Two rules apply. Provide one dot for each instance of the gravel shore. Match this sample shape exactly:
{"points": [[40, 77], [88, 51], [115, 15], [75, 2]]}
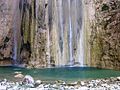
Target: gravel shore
{"points": [[28, 83]]}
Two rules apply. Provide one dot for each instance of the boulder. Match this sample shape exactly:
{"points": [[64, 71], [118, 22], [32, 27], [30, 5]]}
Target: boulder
{"points": [[37, 83], [82, 83], [28, 80], [19, 75]]}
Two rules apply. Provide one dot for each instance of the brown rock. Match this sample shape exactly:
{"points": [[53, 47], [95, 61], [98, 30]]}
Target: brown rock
{"points": [[19, 75]]}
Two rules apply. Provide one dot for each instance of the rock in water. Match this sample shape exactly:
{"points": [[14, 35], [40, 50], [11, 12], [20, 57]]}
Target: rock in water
{"points": [[19, 76], [28, 80]]}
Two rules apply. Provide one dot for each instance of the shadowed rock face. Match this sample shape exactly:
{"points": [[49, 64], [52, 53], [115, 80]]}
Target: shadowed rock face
{"points": [[43, 33], [5, 29], [10, 30]]}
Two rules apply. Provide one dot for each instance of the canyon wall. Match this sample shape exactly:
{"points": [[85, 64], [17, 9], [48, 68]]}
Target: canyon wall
{"points": [[6, 38], [46, 33], [105, 35]]}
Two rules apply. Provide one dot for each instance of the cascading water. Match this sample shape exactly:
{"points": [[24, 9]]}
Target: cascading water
{"points": [[15, 48], [81, 49], [15, 42], [81, 40], [70, 17], [60, 16], [70, 32], [16, 32], [70, 35], [65, 38]]}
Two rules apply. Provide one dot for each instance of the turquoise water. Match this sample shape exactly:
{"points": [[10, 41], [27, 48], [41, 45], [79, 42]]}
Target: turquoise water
{"points": [[64, 73]]}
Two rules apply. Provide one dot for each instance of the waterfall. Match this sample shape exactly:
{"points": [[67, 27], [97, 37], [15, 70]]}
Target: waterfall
{"points": [[70, 35], [65, 35], [16, 31], [70, 32], [14, 35], [81, 48], [15, 46], [60, 24], [81, 37]]}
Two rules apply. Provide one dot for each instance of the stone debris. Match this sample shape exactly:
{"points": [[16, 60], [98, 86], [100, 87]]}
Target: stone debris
{"points": [[98, 84]]}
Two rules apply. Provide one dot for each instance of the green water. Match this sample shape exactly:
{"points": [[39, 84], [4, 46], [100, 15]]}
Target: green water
{"points": [[65, 73]]}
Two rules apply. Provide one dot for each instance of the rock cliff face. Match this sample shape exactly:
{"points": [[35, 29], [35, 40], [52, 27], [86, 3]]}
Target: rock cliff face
{"points": [[105, 36], [5, 30], [43, 33]]}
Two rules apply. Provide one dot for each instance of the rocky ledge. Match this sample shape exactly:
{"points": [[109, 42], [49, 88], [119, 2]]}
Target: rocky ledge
{"points": [[28, 83]]}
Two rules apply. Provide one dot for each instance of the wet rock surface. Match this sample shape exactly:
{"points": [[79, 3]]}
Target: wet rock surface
{"points": [[112, 83]]}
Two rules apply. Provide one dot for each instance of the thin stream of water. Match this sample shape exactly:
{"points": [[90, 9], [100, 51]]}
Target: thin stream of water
{"points": [[70, 34]]}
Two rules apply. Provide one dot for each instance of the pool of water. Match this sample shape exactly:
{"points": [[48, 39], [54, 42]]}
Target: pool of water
{"points": [[64, 73]]}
